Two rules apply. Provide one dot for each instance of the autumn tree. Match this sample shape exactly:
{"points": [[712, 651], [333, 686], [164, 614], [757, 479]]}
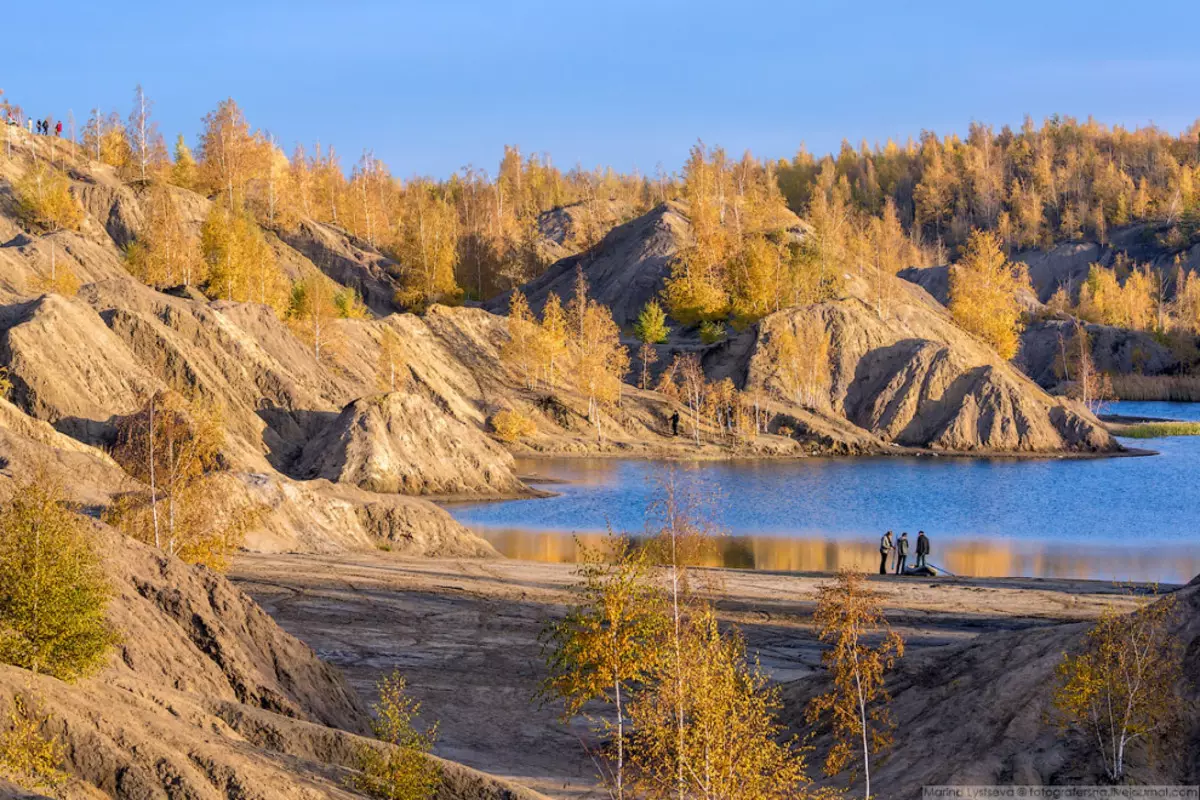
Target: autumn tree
{"points": [[312, 312], [1090, 386], [553, 337], [400, 769], [1120, 686], [391, 367], [521, 349], [241, 264], [147, 151], [173, 448], [731, 744], [601, 361], [984, 288], [680, 537], [184, 172], [53, 592], [45, 202], [230, 155], [800, 353], [606, 645], [848, 613], [427, 248], [27, 756], [684, 379], [696, 289], [105, 140], [165, 252]]}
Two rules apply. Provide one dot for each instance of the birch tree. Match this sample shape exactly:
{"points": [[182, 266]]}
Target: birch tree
{"points": [[848, 612], [1120, 687]]}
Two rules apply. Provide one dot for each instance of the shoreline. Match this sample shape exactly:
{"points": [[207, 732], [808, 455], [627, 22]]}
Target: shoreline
{"points": [[465, 635]]}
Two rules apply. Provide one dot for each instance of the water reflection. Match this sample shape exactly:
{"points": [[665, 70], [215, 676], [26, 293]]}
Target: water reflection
{"points": [[1123, 518], [992, 558]]}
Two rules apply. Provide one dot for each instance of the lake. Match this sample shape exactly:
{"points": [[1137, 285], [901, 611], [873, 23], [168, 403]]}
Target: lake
{"points": [[1110, 518]]}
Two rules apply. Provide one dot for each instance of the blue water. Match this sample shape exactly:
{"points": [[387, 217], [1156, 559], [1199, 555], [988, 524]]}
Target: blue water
{"points": [[1128, 517]]}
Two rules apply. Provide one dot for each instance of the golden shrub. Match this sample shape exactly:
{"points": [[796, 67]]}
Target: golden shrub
{"points": [[509, 425]]}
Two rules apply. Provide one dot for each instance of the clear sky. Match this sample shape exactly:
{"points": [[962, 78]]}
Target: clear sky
{"points": [[433, 86]]}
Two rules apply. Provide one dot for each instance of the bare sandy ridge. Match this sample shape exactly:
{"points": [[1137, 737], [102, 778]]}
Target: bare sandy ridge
{"points": [[465, 635]]}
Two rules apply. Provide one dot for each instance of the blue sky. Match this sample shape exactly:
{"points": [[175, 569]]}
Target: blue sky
{"points": [[433, 86]]}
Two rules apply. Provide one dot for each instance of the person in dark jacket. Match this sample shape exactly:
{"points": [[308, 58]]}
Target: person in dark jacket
{"points": [[922, 548], [902, 553], [886, 546], [675, 424]]}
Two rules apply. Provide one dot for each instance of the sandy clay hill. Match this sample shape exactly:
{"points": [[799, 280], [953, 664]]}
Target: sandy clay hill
{"points": [[980, 713], [897, 374], [204, 697]]}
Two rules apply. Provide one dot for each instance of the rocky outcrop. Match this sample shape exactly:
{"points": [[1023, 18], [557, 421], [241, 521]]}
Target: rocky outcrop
{"points": [[911, 377], [625, 270], [67, 367], [404, 442], [1115, 351], [347, 261], [318, 516]]}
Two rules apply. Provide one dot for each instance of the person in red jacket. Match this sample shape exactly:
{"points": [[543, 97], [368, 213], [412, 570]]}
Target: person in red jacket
{"points": [[58, 128]]}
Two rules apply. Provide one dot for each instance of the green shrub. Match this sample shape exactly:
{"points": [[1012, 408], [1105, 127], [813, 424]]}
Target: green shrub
{"points": [[403, 771], [53, 592], [712, 332]]}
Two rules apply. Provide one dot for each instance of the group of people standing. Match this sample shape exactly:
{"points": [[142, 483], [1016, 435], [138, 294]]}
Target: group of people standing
{"points": [[896, 551], [44, 126]]}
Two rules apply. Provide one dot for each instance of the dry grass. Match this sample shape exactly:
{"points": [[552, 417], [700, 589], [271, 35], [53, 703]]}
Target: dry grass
{"points": [[1178, 388]]}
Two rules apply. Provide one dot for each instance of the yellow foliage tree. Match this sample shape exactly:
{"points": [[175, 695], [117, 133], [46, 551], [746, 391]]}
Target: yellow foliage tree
{"points": [[312, 312], [45, 202], [241, 264], [607, 644], [1120, 687], [552, 339], [800, 353], [983, 293], [27, 757], [521, 349], [230, 155], [53, 592], [390, 373], [402, 769], [848, 613], [427, 248], [165, 252], [173, 448]]}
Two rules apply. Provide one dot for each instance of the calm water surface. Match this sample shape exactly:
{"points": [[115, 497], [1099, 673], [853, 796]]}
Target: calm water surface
{"points": [[1112, 518]]}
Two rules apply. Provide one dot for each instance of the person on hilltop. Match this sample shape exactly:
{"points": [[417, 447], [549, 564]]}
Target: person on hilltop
{"points": [[39, 126], [886, 547], [58, 128], [922, 549], [46, 126], [902, 553]]}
